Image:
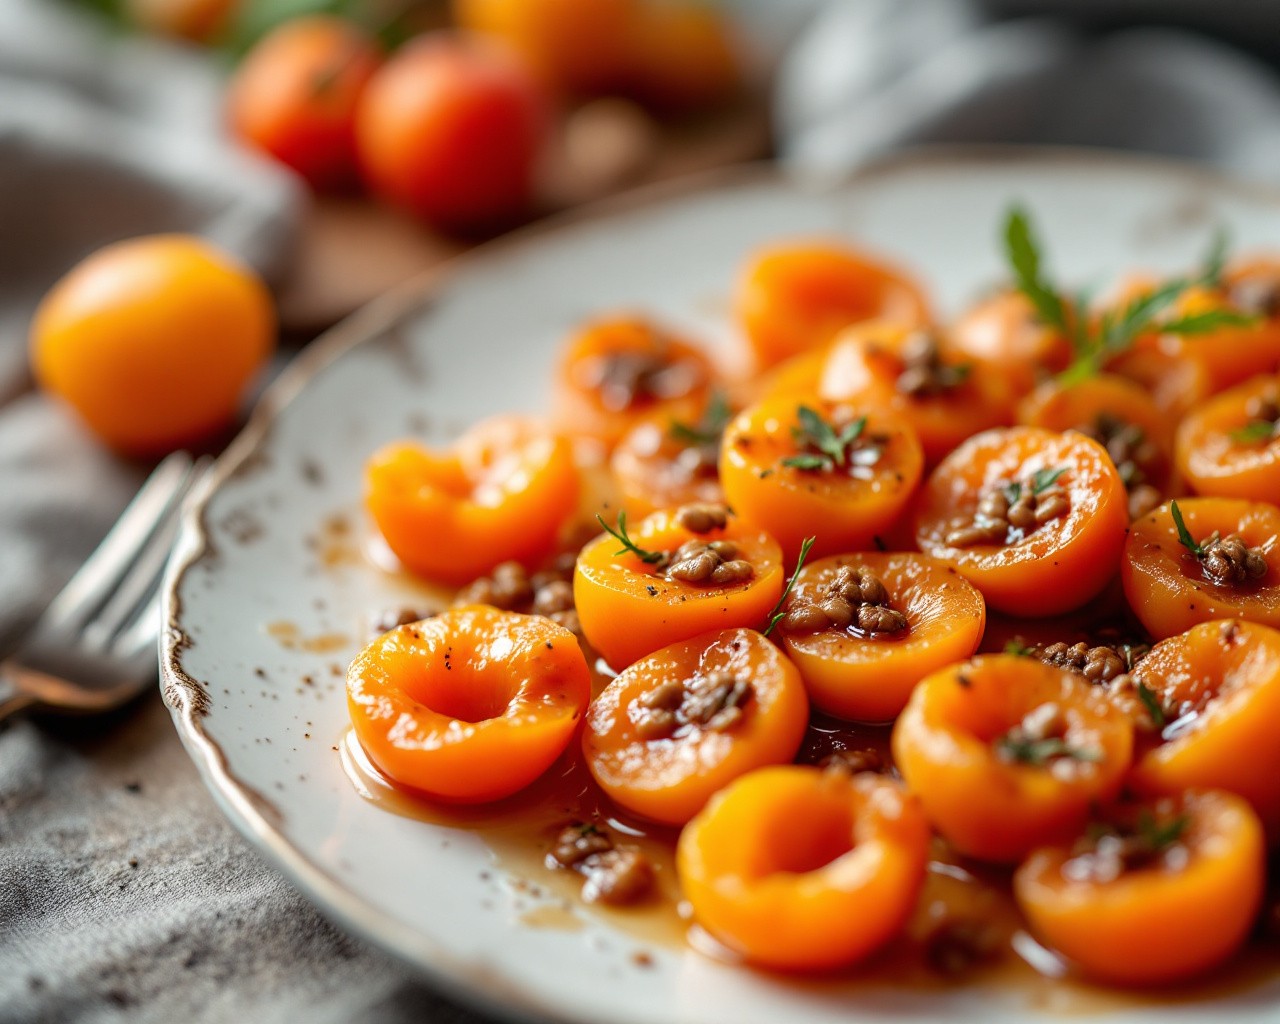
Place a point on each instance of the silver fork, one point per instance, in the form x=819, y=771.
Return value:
x=94, y=647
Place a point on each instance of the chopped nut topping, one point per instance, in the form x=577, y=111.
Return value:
x=1134, y=456
x=548, y=592
x=714, y=702
x=629, y=378
x=611, y=874
x=715, y=563
x=854, y=761
x=1009, y=512
x=855, y=597
x=1228, y=560
x=1098, y=664
x=702, y=518
x=924, y=373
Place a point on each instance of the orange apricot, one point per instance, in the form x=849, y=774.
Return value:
x=678, y=587
x=799, y=296
x=685, y=721
x=471, y=705
x=1002, y=334
x=1232, y=354
x=827, y=469
x=864, y=629
x=501, y=493
x=1156, y=895
x=1007, y=753
x=1218, y=686
x=664, y=462
x=153, y=341
x=1034, y=519
x=1175, y=384
x=1229, y=447
x=616, y=372
x=1123, y=418
x=919, y=376
x=1172, y=588
x=798, y=869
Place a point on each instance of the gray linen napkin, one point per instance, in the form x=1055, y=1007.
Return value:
x=124, y=895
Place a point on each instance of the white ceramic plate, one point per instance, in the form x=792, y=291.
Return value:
x=268, y=600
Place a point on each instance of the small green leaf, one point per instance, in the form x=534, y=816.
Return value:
x=1253, y=433
x=809, y=461
x=1152, y=703
x=707, y=430
x=1207, y=321
x=1022, y=250
x=1041, y=752
x=1160, y=836
x=1184, y=535
x=628, y=545
x=1012, y=492
x=776, y=615
x=1215, y=259
x=1019, y=649
x=1046, y=478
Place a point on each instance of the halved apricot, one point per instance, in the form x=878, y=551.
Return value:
x=920, y=376
x=1163, y=892
x=1007, y=753
x=864, y=629
x=801, y=468
x=614, y=372
x=501, y=493
x=1218, y=688
x=685, y=721
x=471, y=705
x=1170, y=587
x=798, y=296
x=1034, y=519
x=799, y=869
x=630, y=607
x=663, y=462
x=1003, y=335
x=1229, y=447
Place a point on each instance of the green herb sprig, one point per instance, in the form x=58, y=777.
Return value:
x=1158, y=836
x=1152, y=703
x=1254, y=432
x=1040, y=752
x=833, y=445
x=1184, y=535
x=777, y=614
x=707, y=430
x=1041, y=481
x=628, y=545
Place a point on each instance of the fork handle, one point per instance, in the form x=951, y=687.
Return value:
x=12, y=697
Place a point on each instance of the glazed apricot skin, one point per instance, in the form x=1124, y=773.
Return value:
x=627, y=611
x=583, y=409
x=670, y=779
x=501, y=493
x=153, y=341
x=797, y=869
x=471, y=705
x=649, y=467
x=943, y=744
x=794, y=297
x=1003, y=335
x=1064, y=562
x=1228, y=672
x=1055, y=406
x=863, y=366
x=844, y=509
x=869, y=678
x=1164, y=583
x=1214, y=462
x=1155, y=925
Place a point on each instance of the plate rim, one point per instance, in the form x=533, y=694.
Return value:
x=465, y=983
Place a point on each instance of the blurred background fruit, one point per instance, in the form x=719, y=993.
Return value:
x=153, y=341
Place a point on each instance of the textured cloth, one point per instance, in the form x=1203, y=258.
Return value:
x=124, y=894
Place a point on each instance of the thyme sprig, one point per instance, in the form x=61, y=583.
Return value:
x=1254, y=432
x=628, y=545
x=1184, y=535
x=1041, y=481
x=1023, y=750
x=709, y=428
x=832, y=444
x=777, y=614
x=1159, y=836
x=1152, y=703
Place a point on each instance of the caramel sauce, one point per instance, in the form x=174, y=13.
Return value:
x=290, y=637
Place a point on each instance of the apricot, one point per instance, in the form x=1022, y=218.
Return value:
x=664, y=462
x=1002, y=335
x=471, y=705
x=1229, y=447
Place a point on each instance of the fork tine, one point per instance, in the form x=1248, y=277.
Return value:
x=95, y=580
x=141, y=578
x=139, y=637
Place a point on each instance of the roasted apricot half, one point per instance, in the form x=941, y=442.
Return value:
x=864, y=629
x=501, y=493
x=828, y=469
x=1223, y=562
x=685, y=721
x=1229, y=447
x=675, y=575
x=471, y=705
x=1154, y=893
x=1216, y=691
x=1007, y=753
x=1003, y=335
x=664, y=462
x=1034, y=519
x=798, y=869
